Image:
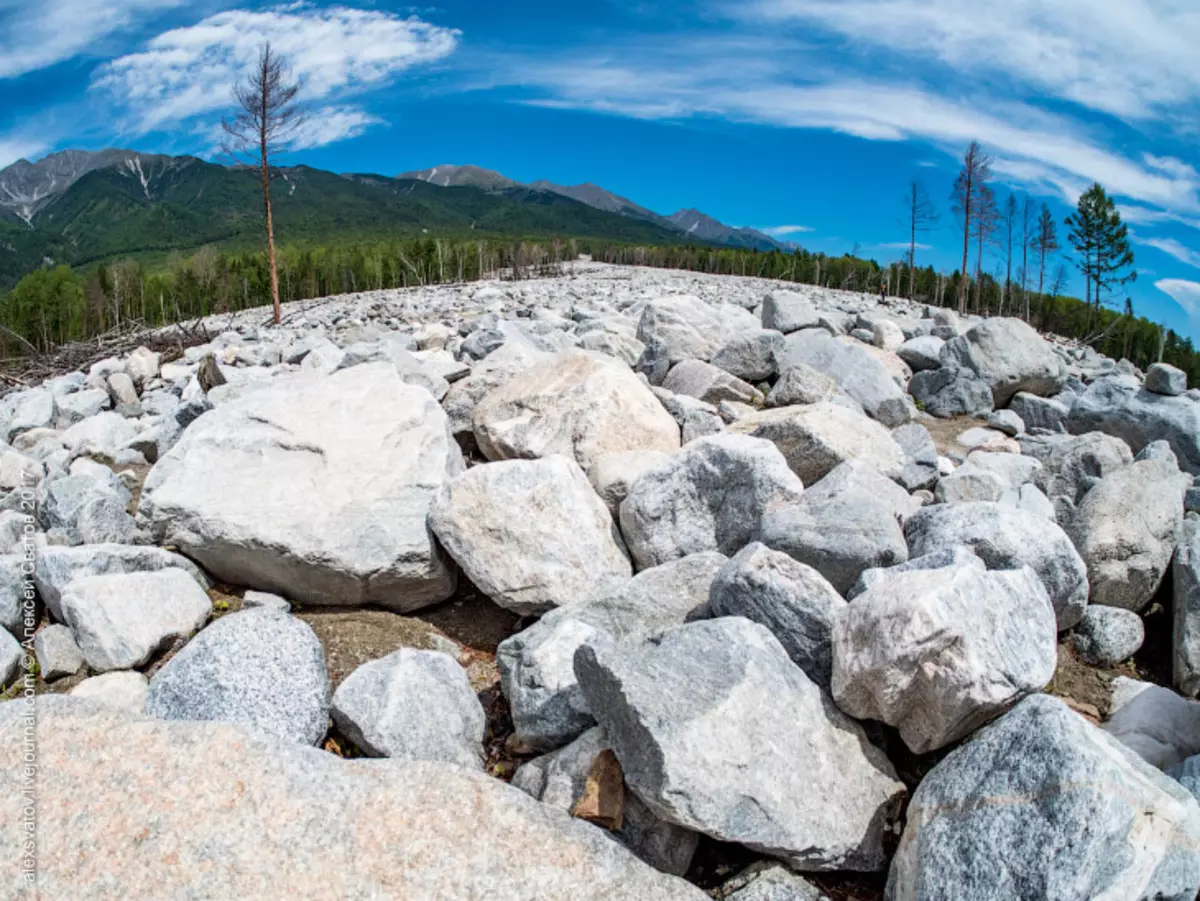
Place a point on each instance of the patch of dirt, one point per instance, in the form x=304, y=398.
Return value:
x=945, y=432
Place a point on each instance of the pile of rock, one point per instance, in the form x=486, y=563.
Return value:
x=735, y=549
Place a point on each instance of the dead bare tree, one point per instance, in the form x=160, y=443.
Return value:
x=987, y=224
x=921, y=218
x=971, y=180
x=1010, y=225
x=269, y=115
x=1027, y=225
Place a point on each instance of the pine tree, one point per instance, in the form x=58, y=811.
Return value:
x=1101, y=243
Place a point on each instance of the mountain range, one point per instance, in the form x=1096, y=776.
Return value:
x=79, y=207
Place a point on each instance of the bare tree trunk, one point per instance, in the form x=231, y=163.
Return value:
x=266, y=187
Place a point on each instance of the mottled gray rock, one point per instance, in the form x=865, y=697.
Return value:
x=846, y=523
x=922, y=352
x=576, y=404
x=966, y=485
x=817, y=438
x=120, y=621
x=1118, y=407
x=694, y=417
x=920, y=469
x=1073, y=465
x=792, y=600
x=766, y=881
x=788, y=311
x=277, y=489
x=1010, y=356
x=1006, y=421
x=530, y=534
x=121, y=689
x=939, y=652
x=947, y=558
x=711, y=496
x=260, y=668
x=1005, y=537
x=1044, y=805
x=718, y=731
x=412, y=704
x=949, y=392
x=537, y=666
x=73, y=408
x=253, y=599
x=466, y=393
x=1158, y=450
x=704, y=381
x=12, y=658
x=1107, y=635
x=1040, y=412
x=801, y=384
x=1157, y=724
x=57, y=653
x=683, y=327
x=15, y=591
x=751, y=356
x=856, y=371
x=231, y=809
x=31, y=409
x=1125, y=530
x=1186, y=638
x=559, y=778
x=1163, y=378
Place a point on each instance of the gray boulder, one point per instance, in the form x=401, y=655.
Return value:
x=1165, y=379
x=12, y=658
x=1125, y=530
x=766, y=881
x=788, y=311
x=275, y=490
x=1040, y=412
x=1118, y=407
x=364, y=829
x=612, y=474
x=683, y=327
x=120, y=621
x=792, y=600
x=694, y=417
x=412, y=704
x=1107, y=635
x=263, y=669
x=718, y=731
x=121, y=689
x=537, y=665
x=1044, y=805
x=854, y=368
x=1006, y=537
x=1006, y=421
x=1186, y=638
x=921, y=353
x=1073, y=464
x=950, y=392
x=939, y=652
x=751, y=356
x=1010, y=356
x=946, y=558
x=801, y=384
x=72, y=408
x=704, y=381
x=57, y=653
x=711, y=496
x=530, y=534
x=920, y=469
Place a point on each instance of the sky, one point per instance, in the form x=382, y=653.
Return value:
x=805, y=118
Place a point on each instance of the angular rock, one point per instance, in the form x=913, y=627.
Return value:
x=122, y=689
x=530, y=534
x=939, y=652
x=788, y=311
x=765, y=881
x=1040, y=412
x=1005, y=537
x=576, y=404
x=694, y=417
x=1073, y=465
x=278, y=489
x=792, y=600
x=1154, y=722
x=855, y=371
x=120, y=621
x=12, y=658
x=1006, y=421
x=57, y=653
x=711, y=496
x=750, y=356
x=218, y=830
x=817, y=438
x=922, y=352
x=1044, y=805
x=1186, y=636
x=263, y=669
x=612, y=474
x=950, y=392
x=718, y=731
x=921, y=457
x=415, y=705
x=680, y=328
x=1165, y=379
x=801, y=384
x=1107, y=635
x=1010, y=356
x=1116, y=406
x=76, y=407
x=704, y=381
x=1125, y=530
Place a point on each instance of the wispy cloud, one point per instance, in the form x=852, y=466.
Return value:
x=336, y=53
x=903, y=245
x=781, y=231
x=15, y=147
x=1183, y=292
x=1170, y=246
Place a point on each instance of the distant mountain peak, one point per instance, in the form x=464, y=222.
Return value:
x=449, y=176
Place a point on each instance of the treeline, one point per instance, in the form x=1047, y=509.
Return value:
x=55, y=306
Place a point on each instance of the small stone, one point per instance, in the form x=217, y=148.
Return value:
x=1107, y=635
x=1163, y=378
x=57, y=653
x=120, y=689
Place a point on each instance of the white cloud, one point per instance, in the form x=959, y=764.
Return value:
x=1174, y=248
x=780, y=231
x=35, y=34
x=19, y=147
x=334, y=52
x=1184, y=293
x=330, y=125
x=903, y=245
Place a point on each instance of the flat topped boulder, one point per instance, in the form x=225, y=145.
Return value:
x=577, y=404
x=317, y=489
x=1010, y=356
x=1118, y=406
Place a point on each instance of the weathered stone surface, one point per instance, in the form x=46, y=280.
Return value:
x=234, y=826
x=846, y=523
x=694, y=417
x=537, y=666
x=530, y=534
x=1154, y=722
x=263, y=669
x=751, y=356
x=817, y=438
x=12, y=658
x=576, y=404
x=1118, y=407
x=120, y=621
x=76, y=407
x=921, y=456
x=1163, y=378
x=412, y=704
x=57, y=653
x=855, y=371
x=1006, y=421
x=1186, y=638
x=1107, y=635
x=788, y=311
x=939, y=652
x=1044, y=805
x=801, y=384
x=1125, y=529
x=766, y=881
x=494, y=371
x=1010, y=356
x=792, y=600
x=1006, y=537
x=1073, y=465
x=704, y=381
x=612, y=474
x=683, y=327
x=278, y=489
x=559, y=779
x=718, y=731
x=922, y=352
x=121, y=689
x=950, y=392
x=1040, y=412
x=711, y=496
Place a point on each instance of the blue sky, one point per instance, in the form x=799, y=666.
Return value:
x=804, y=116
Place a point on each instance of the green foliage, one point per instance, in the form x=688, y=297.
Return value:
x=1101, y=243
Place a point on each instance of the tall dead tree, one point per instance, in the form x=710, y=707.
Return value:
x=921, y=217
x=269, y=115
x=1027, y=235
x=1010, y=227
x=968, y=186
x=987, y=224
